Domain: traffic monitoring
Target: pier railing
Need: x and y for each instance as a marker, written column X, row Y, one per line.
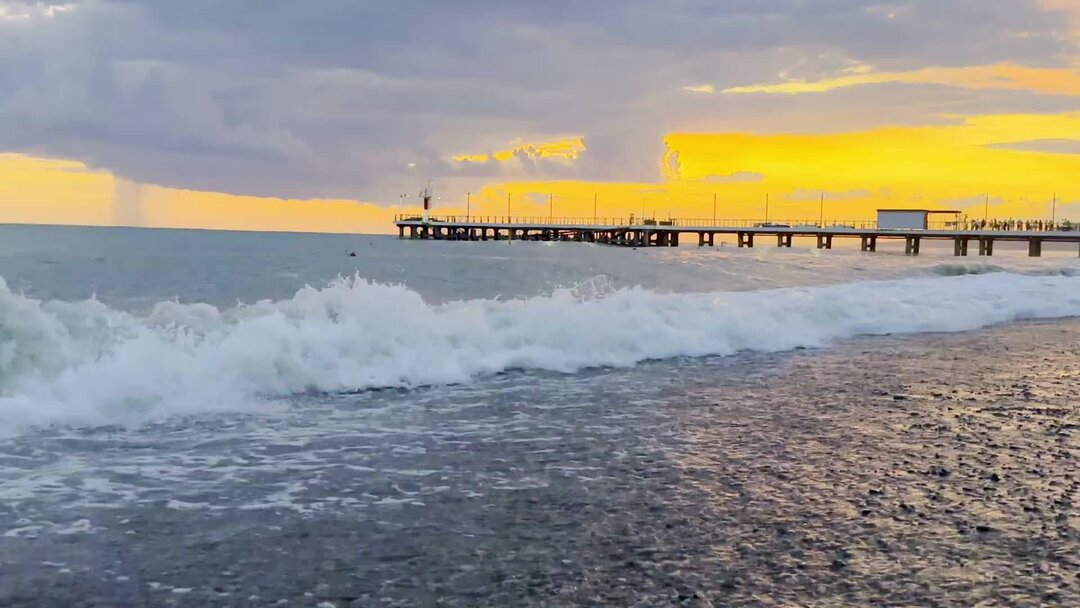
column 639, row 221
column 710, row 222
column 518, row 219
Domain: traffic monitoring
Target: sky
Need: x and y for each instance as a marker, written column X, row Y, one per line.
column 322, row 115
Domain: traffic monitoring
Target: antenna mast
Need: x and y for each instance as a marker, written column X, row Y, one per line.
column 427, row 195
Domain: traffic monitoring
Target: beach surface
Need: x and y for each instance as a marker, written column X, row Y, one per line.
column 834, row 439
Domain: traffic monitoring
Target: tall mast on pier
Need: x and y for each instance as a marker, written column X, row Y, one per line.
column 427, row 195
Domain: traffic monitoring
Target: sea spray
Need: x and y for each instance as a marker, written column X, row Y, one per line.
column 84, row 363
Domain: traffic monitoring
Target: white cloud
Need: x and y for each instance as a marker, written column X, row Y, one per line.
column 22, row 10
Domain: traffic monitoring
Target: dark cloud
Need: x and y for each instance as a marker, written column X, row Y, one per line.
column 1049, row 146
column 365, row 98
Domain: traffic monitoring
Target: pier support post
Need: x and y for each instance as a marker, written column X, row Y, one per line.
column 869, row 243
column 1035, row 248
column 911, row 245
column 746, row 239
column 960, row 246
column 701, row 239
column 674, row 239
column 712, row 239
column 986, row 246
column 783, row 240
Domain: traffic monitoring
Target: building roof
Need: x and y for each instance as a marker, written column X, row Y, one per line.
column 945, row 211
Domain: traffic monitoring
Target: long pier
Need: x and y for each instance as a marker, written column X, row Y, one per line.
column 669, row 233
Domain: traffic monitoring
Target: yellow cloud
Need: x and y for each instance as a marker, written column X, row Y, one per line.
column 471, row 158
column 700, row 88
column 933, row 166
column 565, row 149
column 1002, row 76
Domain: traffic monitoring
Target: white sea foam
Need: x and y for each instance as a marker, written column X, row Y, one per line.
column 84, row 363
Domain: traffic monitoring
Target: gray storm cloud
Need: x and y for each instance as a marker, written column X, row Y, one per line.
column 366, row 98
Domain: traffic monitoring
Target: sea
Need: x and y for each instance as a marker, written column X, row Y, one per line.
column 193, row 418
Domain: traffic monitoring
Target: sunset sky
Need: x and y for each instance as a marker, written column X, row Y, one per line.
column 319, row 115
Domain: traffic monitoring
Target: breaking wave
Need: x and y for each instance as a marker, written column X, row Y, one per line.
column 962, row 268
column 77, row 363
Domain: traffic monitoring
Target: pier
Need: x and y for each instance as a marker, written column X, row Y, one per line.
column 747, row 233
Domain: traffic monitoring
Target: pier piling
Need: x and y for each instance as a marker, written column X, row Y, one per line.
column 668, row 233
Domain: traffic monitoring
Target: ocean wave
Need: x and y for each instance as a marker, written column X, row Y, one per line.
column 965, row 268
column 80, row 363
column 961, row 269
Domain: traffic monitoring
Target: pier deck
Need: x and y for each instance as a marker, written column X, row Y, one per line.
column 670, row 233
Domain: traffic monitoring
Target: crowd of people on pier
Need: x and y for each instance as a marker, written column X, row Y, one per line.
column 1018, row 225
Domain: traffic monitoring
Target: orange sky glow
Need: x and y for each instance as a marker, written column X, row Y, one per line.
column 950, row 166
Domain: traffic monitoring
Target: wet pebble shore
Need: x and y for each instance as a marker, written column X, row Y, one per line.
column 927, row 470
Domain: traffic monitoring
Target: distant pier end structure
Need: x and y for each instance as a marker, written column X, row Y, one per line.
column 916, row 219
column 913, row 226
